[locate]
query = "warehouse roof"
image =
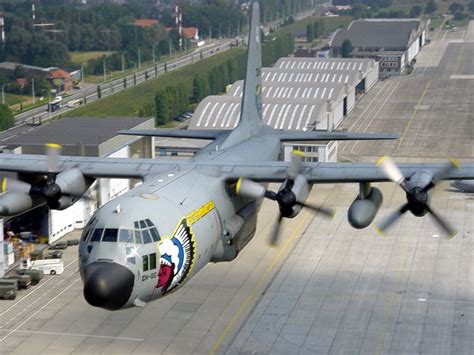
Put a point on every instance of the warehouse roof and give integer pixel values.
(222, 112)
(308, 76)
(319, 91)
(76, 130)
(378, 33)
(320, 64)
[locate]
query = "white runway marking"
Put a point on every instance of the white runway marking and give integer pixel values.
(39, 310)
(72, 334)
(36, 289)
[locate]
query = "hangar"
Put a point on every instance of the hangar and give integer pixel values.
(394, 43)
(297, 94)
(79, 136)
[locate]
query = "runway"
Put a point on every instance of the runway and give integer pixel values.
(327, 288)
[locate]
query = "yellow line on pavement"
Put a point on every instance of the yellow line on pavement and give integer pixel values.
(400, 141)
(251, 295)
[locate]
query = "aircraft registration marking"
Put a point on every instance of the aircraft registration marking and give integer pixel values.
(196, 215)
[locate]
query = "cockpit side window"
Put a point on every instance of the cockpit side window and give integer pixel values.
(146, 236)
(154, 234)
(97, 235)
(138, 237)
(126, 236)
(88, 229)
(110, 235)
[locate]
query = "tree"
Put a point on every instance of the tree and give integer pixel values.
(162, 114)
(458, 16)
(346, 48)
(455, 7)
(316, 29)
(200, 88)
(415, 11)
(6, 117)
(431, 7)
(309, 33)
(470, 6)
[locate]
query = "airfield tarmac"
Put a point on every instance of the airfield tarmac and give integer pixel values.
(328, 288)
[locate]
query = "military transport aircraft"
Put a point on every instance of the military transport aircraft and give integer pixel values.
(149, 241)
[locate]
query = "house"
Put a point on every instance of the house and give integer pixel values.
(146, 22)
(60, 80)
(191, 33)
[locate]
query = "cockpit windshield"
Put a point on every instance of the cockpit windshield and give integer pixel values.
(144, 232)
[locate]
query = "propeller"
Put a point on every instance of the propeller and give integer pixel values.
(48, 189)
(285, 197)
(417, 194)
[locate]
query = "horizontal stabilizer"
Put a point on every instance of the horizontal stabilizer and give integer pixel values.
(174, 133)
(333, 136)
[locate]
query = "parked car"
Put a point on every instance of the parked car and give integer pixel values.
(73, 242)
(59, 245)
(56, 254)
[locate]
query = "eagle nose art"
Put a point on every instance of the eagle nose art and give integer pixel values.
(107, 285)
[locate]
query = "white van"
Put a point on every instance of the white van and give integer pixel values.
(49, 266)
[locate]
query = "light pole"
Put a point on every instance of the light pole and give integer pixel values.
(154, 59)
(33, 90)
(139, 58)
(105, 69)
(3, 93)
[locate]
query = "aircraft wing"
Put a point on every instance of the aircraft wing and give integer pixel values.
(340, 172)
(271, 171)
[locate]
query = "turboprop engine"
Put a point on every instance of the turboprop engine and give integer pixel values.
(15, 202)
(69, 186)
(291, 196)
(363, 210)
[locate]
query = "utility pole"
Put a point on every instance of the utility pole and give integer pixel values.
(139, 58)
(33, 89)
(105, 69)
(154, 59)
(123, 62)
(171, 51)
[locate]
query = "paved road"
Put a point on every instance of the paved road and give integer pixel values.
(133, 79)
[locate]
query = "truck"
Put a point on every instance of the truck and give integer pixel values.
(36, 275)
(7, 292)
(48, 266)
(24, 281)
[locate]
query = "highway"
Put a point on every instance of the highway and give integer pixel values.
(116, 85)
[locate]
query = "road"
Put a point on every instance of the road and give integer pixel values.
(117, 85)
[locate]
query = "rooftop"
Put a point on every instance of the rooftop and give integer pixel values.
(379, 33)
(73, 131)
(146, 22)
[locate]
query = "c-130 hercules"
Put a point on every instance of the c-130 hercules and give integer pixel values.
(149, 241)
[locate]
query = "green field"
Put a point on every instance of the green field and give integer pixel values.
(80, 58)
(129, 102)
(12, 99)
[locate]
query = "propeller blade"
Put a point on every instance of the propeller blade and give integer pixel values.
(53, 151)
(275, 232)
(15, 185)
(249, 188)
(391, 219)
(392, 171)
(442, 174)
(442, 223)
(326, 212)
(295, 165)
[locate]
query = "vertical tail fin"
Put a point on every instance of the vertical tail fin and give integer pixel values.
(250, 121)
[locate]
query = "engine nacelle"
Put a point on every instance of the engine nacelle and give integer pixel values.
(72, 184)
(301, 191)
(364, 209)
(13, 203)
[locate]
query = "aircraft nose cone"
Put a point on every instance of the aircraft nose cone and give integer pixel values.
(107, 285)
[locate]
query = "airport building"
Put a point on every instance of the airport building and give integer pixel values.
(81, 136)
(394, 43)
(297, 94)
